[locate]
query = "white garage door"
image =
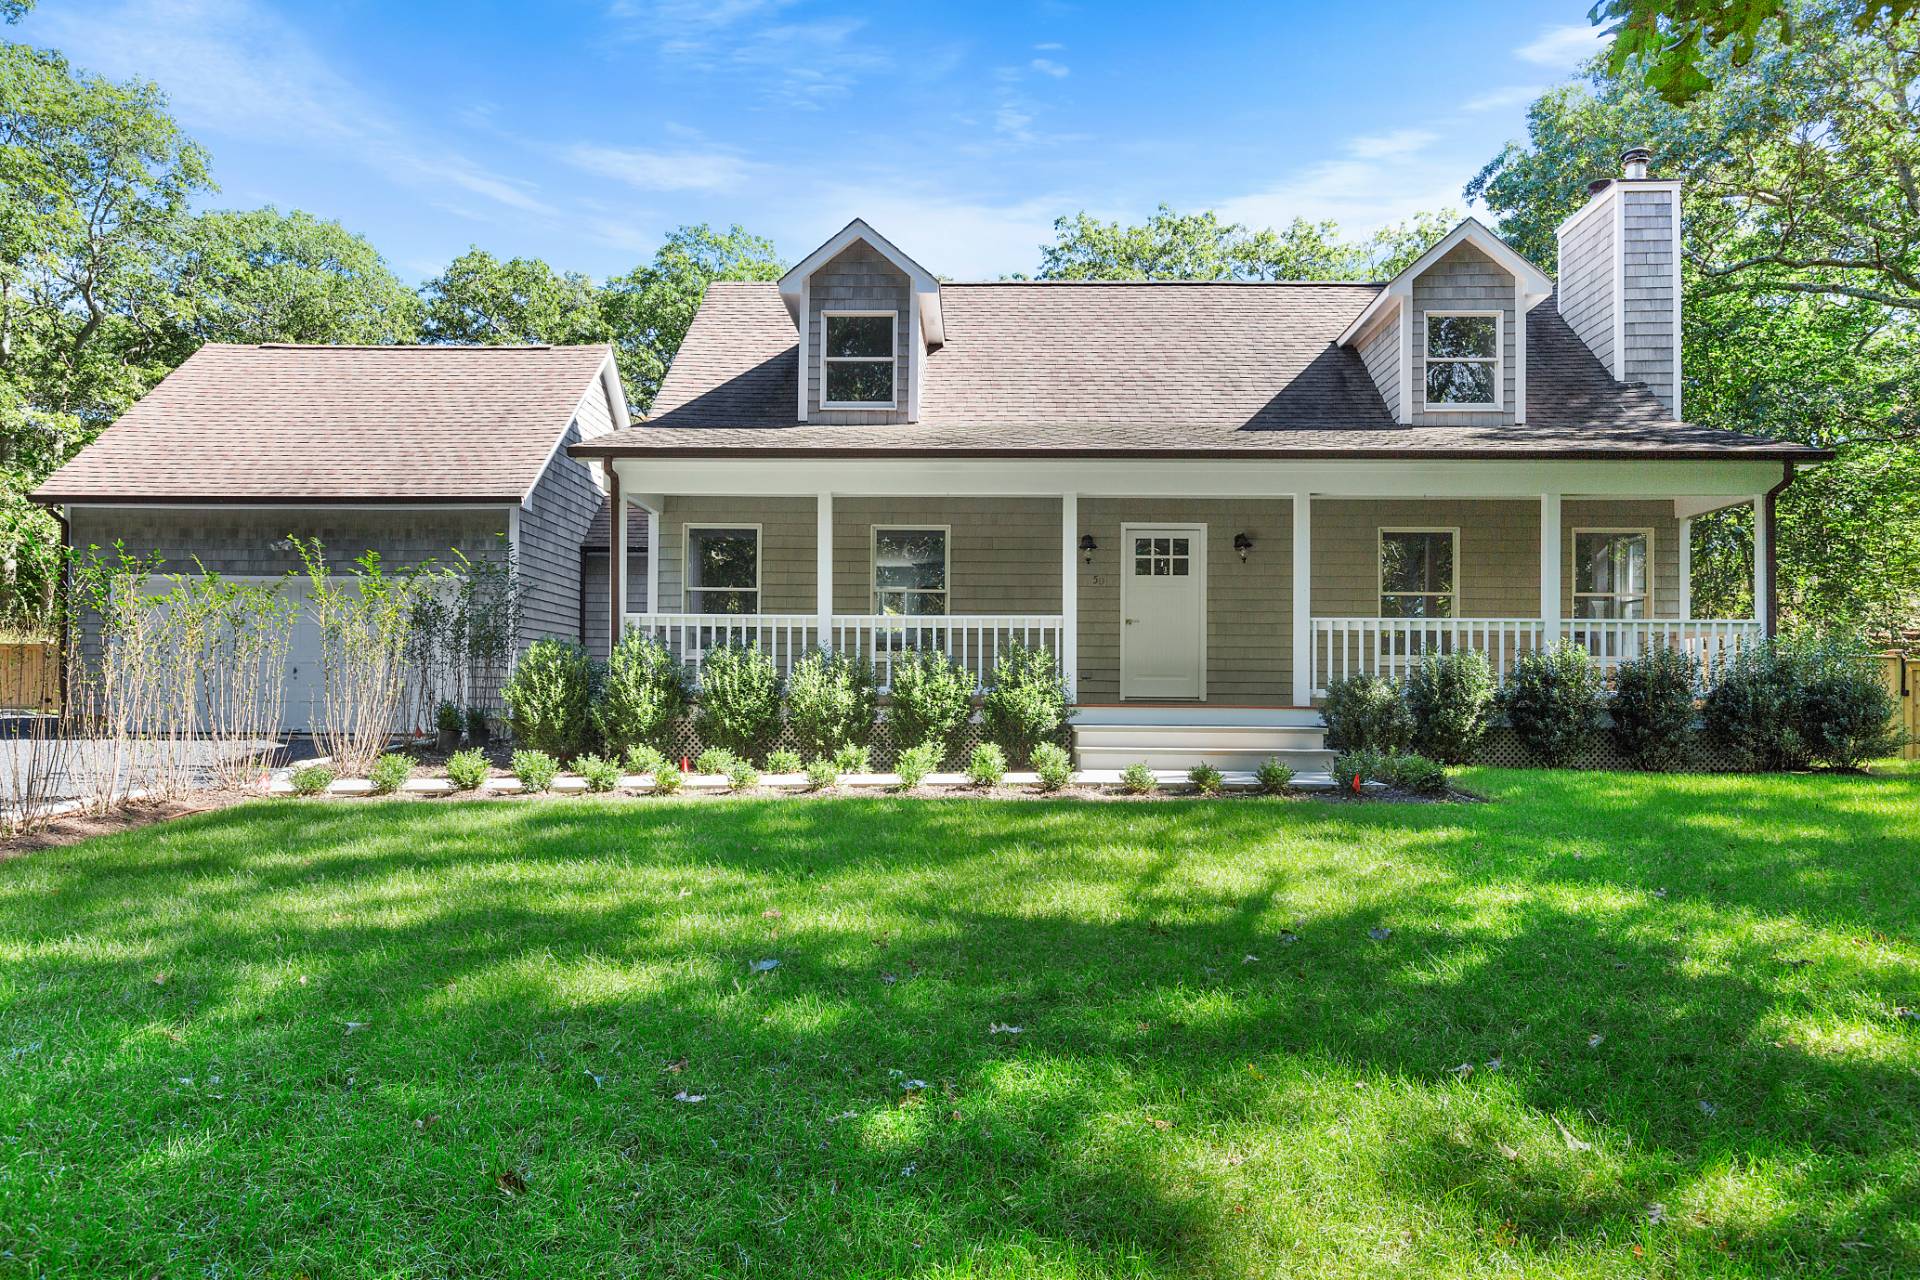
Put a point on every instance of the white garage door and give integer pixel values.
(301, 708)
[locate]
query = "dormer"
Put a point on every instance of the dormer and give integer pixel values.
(866, 315)
(1445, 341)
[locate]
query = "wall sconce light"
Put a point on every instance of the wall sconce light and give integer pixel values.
(1087, 547)
(1242, 543)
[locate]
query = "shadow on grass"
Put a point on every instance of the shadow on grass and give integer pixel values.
(1194, 982)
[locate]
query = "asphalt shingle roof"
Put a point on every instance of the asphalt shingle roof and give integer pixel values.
(1103, 368)
(380, 424)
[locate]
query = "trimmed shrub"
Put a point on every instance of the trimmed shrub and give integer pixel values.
(929, 698)
(714, 760)
(466, 770)
(853, 759)
(1450, 698)
(645, 691)
(1418, 774)
(644, 757)
(311, 779)
(478, 730)
(1273, 776)
(1754, 710)
(987, 767)
(447, 719)
(1368, 766)
(549, 698)
(821, 775)
(1653, 708)
(1553, 702)
(1846, 712)
(1054, 764)
(1138, 780)
(739, 700)
(742, 776)
(599, 773)
(831, 701)
(535, 769)
(1206, 780)
(390, 773)
(1365, 713)
(667, 779)
(785, 761)
(1027, 703)
(916, 762)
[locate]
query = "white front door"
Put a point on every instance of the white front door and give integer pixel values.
(1163, 611)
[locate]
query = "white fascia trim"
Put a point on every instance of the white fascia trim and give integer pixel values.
(1534, 283)
(926, 288)
(1619, 290)
(1405, 416)
(302, 505)
(1677, 335)
(1381, 300)
(805, 322)
(1519, 355)
(606, 382)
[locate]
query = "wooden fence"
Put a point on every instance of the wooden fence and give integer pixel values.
(30, 676)
(1903, 680)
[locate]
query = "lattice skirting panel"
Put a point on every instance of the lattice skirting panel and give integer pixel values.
(1502, 748)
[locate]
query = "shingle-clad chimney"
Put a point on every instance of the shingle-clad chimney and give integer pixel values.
(1619, 276)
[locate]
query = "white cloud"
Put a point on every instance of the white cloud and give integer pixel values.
(1517, 95)
(1562, 48)
(1372, 182)
(229, 66)
(661, 170)
(1048, 67)
(796, 64)
(1049, 46)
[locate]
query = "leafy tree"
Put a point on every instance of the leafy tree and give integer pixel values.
(263, 276)
(481, 299)
(1666, 40)
(649, 309)
(1199, 246)
(1801, 261)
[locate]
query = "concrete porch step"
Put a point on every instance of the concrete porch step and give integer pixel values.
(1181, 757)
(1233, 746)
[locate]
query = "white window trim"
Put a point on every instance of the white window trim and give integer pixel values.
(1498, 361)
(1380, 564)
(687, 585)
(873, 564)
(893, 358)
(1575, 595)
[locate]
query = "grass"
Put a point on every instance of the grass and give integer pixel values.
(385, 1038)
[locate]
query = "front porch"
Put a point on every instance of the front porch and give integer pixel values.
(1189, 599)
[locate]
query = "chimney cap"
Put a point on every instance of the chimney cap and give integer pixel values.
(1598, 185)
(1634, 161)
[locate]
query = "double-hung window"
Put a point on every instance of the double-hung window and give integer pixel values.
(1417, 573)
(857, 359)
(1610, 573)
(910, 571)
(1463, 359)
(723, 568)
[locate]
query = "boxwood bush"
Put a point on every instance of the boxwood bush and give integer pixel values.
(916, 762)
(1054, 765)
(1450, 699)
(1553, 702)
(1847, 709)
(1754, 709)
(739, 700)
(644, 692)
(831, 701)
(535, 769)
(466, 770)
(549, 698)
(1366, 713)
(1027, 703)
(390, 772)
(1653, 708)
(987, 766)
(930, 697)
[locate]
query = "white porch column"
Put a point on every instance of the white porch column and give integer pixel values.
(617, 559)
(1070, 594)
(1302, 599)
(823, 568)
(1760, 561)
(1550, 565)
(1686, 567)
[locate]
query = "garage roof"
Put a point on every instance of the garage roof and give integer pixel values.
(325, 424)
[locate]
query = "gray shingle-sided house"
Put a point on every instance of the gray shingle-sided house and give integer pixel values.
(1207, 499)
(414, 452)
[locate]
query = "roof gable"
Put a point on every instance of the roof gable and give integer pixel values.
(923, 283)
(1535, 282)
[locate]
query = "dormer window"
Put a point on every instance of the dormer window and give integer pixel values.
(857, 359)
(1463, 360)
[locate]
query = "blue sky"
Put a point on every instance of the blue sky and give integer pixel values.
(581, 132)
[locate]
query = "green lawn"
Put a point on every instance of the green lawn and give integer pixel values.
(373, 1038)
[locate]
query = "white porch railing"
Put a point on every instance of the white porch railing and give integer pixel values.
(1392, 647)
(975, 641)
